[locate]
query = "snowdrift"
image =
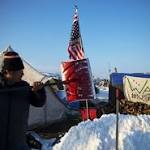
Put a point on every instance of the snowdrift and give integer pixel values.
(100, 134)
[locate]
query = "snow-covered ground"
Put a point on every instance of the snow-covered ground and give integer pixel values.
(100, 134)
(102, 95)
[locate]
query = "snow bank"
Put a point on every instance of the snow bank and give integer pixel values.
(100, 134)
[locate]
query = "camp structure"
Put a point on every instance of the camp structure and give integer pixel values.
(133, 92)
(54, 110)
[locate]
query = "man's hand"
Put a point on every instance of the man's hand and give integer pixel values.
(37, 86)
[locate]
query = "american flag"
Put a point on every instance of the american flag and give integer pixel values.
(75, 47)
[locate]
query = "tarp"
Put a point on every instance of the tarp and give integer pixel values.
(79, 84)
(117, 78)
(137, 89)
(88, 114)
(116, 81)
(54, 109)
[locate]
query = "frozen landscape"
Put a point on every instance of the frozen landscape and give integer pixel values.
(100, 134)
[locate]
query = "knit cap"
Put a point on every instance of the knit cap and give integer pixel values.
(12, 61)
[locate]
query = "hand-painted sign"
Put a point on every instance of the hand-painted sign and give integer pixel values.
(137, 89)
(79, 84)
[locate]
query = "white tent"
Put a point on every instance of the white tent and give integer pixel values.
(54, 109)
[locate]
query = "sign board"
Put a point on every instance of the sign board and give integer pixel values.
(78, 78)
(137, 89)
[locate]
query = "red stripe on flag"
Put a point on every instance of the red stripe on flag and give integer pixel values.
(75, 48)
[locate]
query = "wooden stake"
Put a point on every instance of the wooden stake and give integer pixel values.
(87, 109)
(117, 118)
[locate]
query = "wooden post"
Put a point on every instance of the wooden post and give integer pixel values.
(117, 118)
(87, 109)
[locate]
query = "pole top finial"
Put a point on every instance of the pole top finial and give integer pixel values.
(75, 4)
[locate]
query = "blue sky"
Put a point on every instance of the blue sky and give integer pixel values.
(115, 33)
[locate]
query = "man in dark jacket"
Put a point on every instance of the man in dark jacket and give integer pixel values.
(15, 98)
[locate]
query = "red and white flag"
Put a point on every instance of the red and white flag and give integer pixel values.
(75, 48)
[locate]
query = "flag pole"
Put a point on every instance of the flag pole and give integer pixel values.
(75, 3)
(76, 8)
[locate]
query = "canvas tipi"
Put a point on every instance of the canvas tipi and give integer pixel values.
(54, 109)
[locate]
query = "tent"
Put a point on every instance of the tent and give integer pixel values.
(54, 110)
